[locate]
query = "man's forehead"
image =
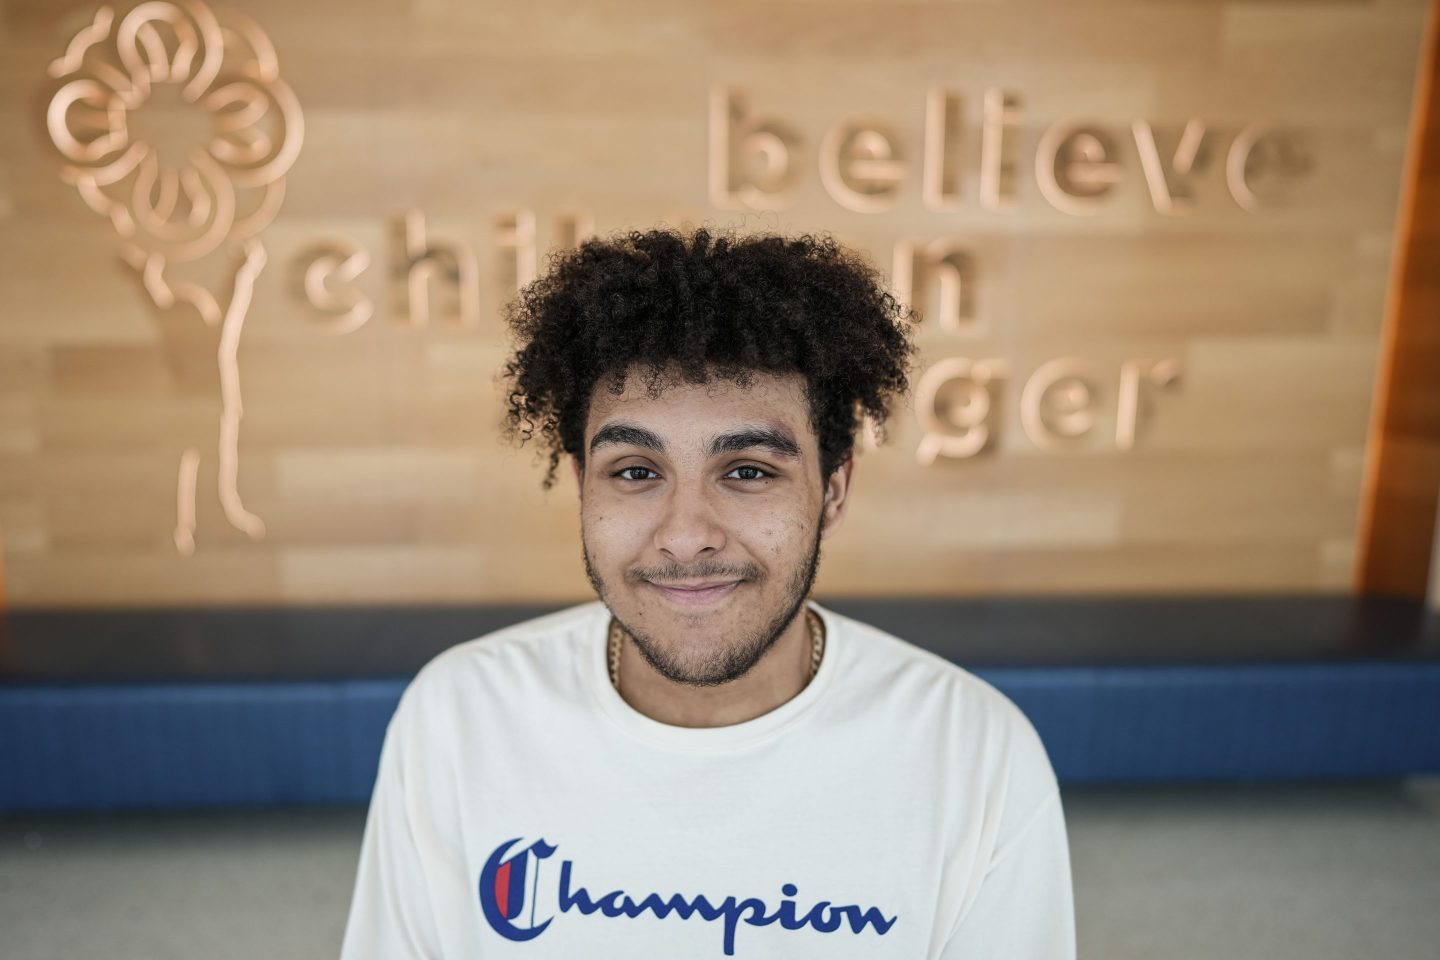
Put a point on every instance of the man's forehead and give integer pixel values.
(778, 396)
(699, 413)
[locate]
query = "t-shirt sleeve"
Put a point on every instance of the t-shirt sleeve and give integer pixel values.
(1025, 908)
(390, 912)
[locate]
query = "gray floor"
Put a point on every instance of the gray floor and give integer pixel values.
(1313, 871)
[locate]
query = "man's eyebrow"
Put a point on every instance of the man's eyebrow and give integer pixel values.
(626, 434)
(777, 441)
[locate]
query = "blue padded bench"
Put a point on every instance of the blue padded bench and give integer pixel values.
(103, 709)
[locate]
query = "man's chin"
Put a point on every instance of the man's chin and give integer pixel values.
(690, 656)
(699, 675)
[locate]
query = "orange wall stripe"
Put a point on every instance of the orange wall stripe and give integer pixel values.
(1402, 475)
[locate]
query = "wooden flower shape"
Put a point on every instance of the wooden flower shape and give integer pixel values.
(231, 182)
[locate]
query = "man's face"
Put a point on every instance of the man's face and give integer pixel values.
(701, 516)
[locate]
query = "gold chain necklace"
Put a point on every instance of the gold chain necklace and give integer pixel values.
(817, 646)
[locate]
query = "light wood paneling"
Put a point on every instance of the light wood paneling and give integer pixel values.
(373, 456)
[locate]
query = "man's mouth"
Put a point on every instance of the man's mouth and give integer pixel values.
(696, 593)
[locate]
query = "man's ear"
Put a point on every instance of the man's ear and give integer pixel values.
(837, 497)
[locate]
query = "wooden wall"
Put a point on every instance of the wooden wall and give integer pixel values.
(1211, 337)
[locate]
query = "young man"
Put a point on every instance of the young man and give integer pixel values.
(702, 762)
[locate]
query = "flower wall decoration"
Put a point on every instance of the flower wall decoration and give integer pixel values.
(220, 193)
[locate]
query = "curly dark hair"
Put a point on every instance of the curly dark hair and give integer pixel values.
(716, 305)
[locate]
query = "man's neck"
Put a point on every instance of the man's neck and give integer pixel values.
(782, 673)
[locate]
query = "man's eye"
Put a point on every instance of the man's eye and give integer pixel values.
(751, 473)
(623, 473)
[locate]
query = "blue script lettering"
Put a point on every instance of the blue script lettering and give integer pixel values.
(505, 877)
(731, 910)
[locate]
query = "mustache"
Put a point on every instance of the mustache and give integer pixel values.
(704, 569)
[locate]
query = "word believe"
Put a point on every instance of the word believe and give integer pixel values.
(1076, 163)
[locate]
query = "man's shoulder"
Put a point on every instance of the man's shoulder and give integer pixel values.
(932, 690)
(531, 649)
(890, 658)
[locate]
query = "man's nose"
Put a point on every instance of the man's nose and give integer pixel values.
(689, 527)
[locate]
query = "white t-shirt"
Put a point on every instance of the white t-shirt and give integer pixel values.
(898, 806)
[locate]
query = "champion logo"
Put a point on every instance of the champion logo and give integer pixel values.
(510, 888)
